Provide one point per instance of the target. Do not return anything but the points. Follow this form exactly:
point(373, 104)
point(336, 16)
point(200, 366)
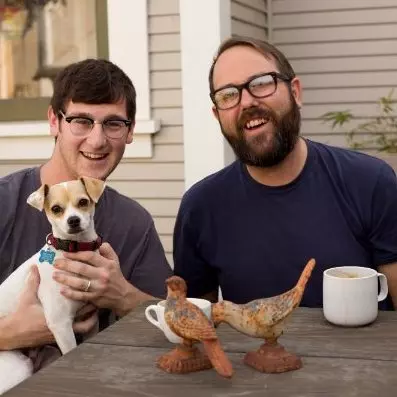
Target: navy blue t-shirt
point(254, 240)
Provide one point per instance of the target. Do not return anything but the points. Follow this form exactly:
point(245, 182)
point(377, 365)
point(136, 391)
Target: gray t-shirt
point(121, 222)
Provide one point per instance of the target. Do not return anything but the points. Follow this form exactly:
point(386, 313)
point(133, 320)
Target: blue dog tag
point(47, 256)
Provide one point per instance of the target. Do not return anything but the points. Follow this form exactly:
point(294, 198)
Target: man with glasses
point(92, 117)
point(251, 227)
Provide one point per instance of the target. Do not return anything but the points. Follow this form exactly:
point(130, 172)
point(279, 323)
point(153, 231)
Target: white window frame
point(128, 48)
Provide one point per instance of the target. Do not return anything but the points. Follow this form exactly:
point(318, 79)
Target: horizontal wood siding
point(345, 53)
point(162, 195)
point(250, 18)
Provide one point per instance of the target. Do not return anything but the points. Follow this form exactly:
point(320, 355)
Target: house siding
point(250, 18)
point(165, 186)
point(345, 53)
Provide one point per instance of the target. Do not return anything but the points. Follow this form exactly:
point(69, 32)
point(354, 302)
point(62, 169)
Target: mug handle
point(383, 287)
point(148, 313)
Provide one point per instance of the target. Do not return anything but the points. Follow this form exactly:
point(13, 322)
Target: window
point(37, 39)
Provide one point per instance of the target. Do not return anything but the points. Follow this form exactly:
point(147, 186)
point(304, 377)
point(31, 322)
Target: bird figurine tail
point(218, 357)
point(304, 278)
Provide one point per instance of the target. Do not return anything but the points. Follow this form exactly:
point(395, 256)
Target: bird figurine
point(265, 318)
point(190, 323)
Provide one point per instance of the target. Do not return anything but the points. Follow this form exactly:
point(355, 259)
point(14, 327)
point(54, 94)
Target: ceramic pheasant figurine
point(265, 318)
point(190, 323)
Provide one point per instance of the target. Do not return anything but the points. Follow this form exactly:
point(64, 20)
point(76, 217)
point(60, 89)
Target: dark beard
point(285, 137)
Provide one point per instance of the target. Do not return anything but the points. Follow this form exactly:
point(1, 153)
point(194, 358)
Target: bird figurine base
point(183, 360)
point(273, 359)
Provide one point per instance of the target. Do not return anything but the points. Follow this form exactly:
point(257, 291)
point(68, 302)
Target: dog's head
point(69, 206)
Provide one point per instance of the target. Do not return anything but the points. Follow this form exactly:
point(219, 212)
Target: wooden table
point(120, 361)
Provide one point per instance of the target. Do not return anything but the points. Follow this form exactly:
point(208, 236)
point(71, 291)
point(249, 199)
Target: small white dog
point(69, 207)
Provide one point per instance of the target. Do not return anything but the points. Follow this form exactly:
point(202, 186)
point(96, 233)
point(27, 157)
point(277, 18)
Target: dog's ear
point(94, 187)
point(37, 198)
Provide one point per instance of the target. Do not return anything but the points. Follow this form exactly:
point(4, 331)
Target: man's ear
point(94, 187)
point(130, 135)
point(53, 121)
point(37, 198)
point(296, 89)
point(215, 112)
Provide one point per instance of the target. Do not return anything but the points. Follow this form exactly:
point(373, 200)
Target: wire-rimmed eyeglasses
point(259, 86)
point(82, 126)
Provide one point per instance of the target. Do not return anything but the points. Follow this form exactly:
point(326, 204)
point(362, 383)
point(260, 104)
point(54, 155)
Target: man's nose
point(247, 100)
point(97, 137)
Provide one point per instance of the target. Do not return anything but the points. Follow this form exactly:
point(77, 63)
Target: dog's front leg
point(59, 321)
point(59, 312)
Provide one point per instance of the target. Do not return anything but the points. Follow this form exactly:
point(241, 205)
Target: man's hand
point(390, 271)
point(27, 326)
point(86, 319)
point(107, 286)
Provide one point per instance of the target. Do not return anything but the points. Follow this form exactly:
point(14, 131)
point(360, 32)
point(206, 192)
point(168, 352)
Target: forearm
point(20, 330)
point(131, 298)
point(390, 271)
point(7, 338)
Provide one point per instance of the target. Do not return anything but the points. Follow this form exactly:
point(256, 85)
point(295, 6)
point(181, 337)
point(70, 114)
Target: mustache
point(257, 112)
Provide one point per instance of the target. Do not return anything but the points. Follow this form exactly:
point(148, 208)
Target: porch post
point(204, 24)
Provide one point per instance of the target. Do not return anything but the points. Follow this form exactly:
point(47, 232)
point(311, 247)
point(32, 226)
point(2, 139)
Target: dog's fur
point(72, 201)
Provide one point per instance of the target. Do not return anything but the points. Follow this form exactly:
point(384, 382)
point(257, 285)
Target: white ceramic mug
point(160, 323)
point(350, 295)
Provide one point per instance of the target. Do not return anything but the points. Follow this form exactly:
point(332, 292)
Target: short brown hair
point(265, 48)
point(93, 81)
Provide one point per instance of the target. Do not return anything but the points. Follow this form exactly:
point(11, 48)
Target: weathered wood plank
point(308, 334)
point(104, 370)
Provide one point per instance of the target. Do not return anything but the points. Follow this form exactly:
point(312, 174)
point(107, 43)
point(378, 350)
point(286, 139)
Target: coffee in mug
point(350, 295)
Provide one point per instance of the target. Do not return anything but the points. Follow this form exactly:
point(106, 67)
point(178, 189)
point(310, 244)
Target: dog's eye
point(56, 209)
point(83, 203)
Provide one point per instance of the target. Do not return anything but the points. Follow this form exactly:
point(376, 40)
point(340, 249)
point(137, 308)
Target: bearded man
point(251, 227)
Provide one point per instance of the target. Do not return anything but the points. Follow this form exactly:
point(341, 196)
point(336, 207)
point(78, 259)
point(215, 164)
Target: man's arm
point(6, 337)
point(383, 228)
point(27, 327)
point(390, 271)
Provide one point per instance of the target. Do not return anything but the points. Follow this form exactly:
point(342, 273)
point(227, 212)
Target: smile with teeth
point(255, 123)
point(94, 156)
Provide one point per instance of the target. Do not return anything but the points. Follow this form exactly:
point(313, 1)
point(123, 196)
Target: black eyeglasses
point(260, 86)
point(82, 126)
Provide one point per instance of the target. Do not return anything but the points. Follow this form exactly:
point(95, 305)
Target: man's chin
point(261, 158)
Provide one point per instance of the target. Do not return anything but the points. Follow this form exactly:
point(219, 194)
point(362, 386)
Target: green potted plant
point(382, 129)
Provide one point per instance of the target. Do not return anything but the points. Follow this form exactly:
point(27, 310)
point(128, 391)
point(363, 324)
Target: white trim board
point(129, 47)
point(204, 24)
point(31, 140)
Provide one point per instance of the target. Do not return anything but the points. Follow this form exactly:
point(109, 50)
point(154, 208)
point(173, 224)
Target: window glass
point(37, 38)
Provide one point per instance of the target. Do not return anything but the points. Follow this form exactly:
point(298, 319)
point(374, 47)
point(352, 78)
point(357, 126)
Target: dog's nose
point(74, 221)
